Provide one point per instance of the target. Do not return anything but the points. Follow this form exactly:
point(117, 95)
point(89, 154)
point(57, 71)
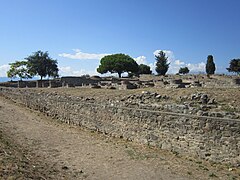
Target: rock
point(204, 107)
point(96, 87)
point(216, 114)
point(193, 97)
point(176, 81)
point(181, 86)
point(165, 97)
point(166, 146)
point(204, 99)
point(65, 168)
point(145, 92)
point(212, 101)
point(158, 96)
point(154, 94)
point(199, 113)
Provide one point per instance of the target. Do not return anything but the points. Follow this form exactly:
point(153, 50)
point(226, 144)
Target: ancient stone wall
point(78, 81)
point(212, 138)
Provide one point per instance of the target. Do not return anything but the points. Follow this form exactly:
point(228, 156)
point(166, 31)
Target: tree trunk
point(119, 74)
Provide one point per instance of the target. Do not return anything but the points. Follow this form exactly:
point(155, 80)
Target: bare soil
point(33, 146)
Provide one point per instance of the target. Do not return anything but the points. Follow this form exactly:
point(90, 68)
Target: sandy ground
point(34, 146)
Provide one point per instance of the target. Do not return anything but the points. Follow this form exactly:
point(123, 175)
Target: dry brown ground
point(36, 147)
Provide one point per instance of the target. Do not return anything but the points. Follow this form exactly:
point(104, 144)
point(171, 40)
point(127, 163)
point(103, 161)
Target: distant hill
point(4, 79)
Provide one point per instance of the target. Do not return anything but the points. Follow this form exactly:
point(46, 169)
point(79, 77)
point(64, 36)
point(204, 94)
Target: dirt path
point(75, 153)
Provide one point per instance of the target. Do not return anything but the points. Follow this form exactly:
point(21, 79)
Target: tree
point(41, 64)
point(162, 64)
point(210, 66)
point(144, 69)
point(183, 70)
point(52, 68)
point(19, 69)
point(118, 63)
point(234, 66)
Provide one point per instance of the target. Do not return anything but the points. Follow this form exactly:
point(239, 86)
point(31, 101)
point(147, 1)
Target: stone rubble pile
point(145, 97)
point(199, 104)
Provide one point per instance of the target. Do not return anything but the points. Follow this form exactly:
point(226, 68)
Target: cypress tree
point(162, 64)
point(210, 66)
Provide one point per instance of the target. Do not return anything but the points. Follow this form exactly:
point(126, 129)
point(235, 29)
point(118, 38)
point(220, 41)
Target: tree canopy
point(162, 64)
point(118, 63)
point(210, 66)
point(234, 66)
point(41, 64)
point(183, 70)
point(18, 69)
point(144, 69)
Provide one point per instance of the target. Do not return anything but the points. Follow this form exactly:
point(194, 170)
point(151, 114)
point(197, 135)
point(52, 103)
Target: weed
point(212, 175)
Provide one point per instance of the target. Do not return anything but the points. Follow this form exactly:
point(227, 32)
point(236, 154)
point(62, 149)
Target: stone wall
point(211, 138)
point(77, 81)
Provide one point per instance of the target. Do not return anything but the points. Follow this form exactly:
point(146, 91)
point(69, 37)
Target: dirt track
point(60, 151)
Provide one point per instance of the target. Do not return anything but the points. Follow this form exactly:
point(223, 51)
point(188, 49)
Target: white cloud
point(3, 70)
point(141, 60)
point(178, 62)
point(200, 67)
point(175, 64)
point(81, 55)
point(69, 71)
point(152, 66)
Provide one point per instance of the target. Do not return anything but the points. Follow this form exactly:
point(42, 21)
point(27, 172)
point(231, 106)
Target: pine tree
point(162, 64)
point(234, 66)
point(210, 66)
point(183, 70)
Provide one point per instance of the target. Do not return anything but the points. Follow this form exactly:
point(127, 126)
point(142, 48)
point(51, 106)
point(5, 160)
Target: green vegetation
point(210, 66)
point(41, 64)
point(162, 64)
point(19, 69)
point(118, 63)
point(212, 175)
point(144, 69)
point(234, 66)
point(183, 70)
point(37, 64)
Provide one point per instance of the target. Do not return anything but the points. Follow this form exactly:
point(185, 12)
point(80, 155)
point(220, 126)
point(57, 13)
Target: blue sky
point(79, 32)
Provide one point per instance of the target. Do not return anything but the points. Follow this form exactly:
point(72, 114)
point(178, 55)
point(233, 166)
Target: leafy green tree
point(234, 66)
point(118, 63)
point(210, 66)
point(19, 69)
point(144, 69)
point(11, 73)
point(52, 68)
point(162, 64)
point(41, 64)
point(183, 70)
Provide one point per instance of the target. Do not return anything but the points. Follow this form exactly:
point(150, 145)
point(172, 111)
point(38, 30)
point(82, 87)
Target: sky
point(78, 33)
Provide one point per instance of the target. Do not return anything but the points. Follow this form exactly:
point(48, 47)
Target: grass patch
point(212, 175)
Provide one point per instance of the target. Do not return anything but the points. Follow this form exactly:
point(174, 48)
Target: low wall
point(78, 81)
point(213, 139)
